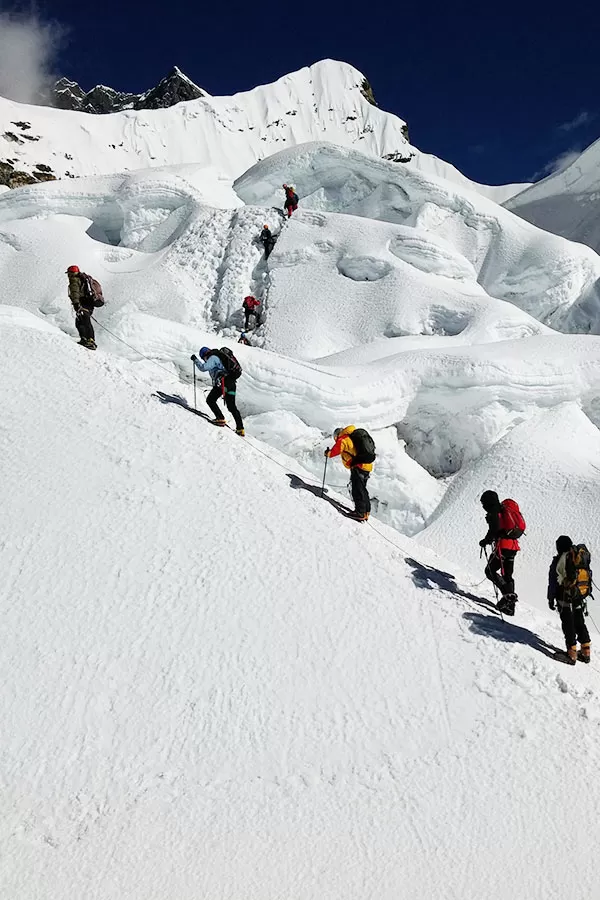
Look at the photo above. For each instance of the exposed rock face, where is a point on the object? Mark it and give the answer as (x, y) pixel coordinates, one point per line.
(174, 88)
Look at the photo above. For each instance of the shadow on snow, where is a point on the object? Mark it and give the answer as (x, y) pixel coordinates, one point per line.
(297, 484)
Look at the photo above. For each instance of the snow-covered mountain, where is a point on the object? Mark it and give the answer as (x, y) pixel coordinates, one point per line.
(328, 101)
(214, 683)
(567, 202)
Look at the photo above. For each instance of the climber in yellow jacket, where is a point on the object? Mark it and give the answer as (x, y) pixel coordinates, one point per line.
(357, 449)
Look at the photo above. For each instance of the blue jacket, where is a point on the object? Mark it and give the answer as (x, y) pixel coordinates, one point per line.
(213, 366)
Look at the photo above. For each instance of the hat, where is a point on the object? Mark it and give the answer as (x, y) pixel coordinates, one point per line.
(203, 351)
(563, 543)
(72, 270)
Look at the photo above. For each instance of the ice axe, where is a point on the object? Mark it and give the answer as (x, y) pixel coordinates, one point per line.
(325, 472)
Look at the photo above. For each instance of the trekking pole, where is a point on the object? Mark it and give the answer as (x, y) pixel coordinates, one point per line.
(324, 474)
(195, 405)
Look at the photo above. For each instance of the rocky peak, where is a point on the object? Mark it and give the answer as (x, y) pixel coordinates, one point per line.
(174, 88)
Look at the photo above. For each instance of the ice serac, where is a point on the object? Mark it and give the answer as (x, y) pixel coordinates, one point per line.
(566, 202)
(329, 101)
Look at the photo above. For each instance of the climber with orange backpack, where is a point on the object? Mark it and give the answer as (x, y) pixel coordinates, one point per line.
(505, 527)
(569, 586)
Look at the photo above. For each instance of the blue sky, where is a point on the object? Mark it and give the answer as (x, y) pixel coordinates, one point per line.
(502, 92)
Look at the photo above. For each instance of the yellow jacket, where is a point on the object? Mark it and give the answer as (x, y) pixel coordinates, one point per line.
(345, 448)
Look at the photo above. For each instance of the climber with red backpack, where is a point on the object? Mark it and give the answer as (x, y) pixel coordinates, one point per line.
(224, 370)
(85, 294)
(291, 199)
(569, 586)
(505, 527)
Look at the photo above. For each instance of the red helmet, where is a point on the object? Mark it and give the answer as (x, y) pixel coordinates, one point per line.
(73, 270)
(265, 226)
(284, 185)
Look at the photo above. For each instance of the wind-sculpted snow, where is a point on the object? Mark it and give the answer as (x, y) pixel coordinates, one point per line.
(449, 230)
(393, 326)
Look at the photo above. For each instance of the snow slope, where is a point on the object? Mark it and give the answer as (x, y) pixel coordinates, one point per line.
(322, 102)
(317, 712)
(566, 202)
(417, 322)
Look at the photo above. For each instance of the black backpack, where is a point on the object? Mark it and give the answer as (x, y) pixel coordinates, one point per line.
(364, 446)
(230, 363)
(580, 586)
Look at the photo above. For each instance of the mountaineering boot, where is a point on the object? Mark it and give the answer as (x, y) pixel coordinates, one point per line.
(358, 517)
(220, 422)
(506, 604)
(241, 432)
(89, 344)
(585, 653)
(572, 654)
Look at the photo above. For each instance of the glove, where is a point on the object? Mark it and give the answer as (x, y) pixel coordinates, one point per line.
(193, 357)
(483, 542)
(551, 603)
(327, 452)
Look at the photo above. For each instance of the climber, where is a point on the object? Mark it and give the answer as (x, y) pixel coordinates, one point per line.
(85, 294)
(244, 340)
(357, 449)
(569, 584)
(224, 370)
(267, 239)
(291, 199)
(505, 526)
(250, 306)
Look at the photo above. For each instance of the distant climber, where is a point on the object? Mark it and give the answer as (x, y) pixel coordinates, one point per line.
(291, 199)
(85, 294)
(357, 449)
(224, 370)
(267, 239)
(505, 526)
(244, 340)
(250, 306)
(569, 586)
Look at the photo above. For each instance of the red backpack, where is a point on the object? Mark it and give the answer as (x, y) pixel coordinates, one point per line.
(512, 522)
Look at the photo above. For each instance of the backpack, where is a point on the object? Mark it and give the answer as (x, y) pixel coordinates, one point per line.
(511, 520)
(581, 585)
(93, 289)
(230, 363)
(364, 446)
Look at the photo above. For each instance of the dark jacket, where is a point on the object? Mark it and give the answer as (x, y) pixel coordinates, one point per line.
(266, 236)
(79, 294)
(556, 591)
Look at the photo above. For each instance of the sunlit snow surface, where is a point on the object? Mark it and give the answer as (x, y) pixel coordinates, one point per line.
(215, 685)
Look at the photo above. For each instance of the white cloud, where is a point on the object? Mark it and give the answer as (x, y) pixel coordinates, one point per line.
(558, 164)
(580, 119)
(28, 49)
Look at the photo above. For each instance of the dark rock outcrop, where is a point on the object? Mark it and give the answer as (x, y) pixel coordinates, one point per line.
(174, 88)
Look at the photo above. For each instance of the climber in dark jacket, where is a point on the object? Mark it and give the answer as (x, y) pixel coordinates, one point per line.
(267, 239)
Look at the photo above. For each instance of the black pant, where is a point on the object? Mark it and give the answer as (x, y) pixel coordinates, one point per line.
(500, 571)
(573, 624)
(248, 313)
(360, 494)
(83, 324)
(230, 387)
(268, 245)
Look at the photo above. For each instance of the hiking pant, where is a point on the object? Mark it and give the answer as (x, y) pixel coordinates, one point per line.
(572, 619)
(497, 566)
(360, 494)
(268, 248)
(252, 312)
(83, 324)
(291, 207)
(225, 388)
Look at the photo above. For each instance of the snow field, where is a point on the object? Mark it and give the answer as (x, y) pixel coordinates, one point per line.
(389, 326)
(215, 685)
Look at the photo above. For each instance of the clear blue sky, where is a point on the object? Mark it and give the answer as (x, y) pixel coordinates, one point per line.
(500, 90)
